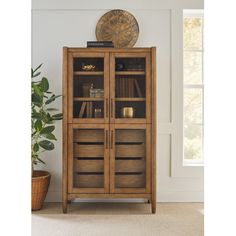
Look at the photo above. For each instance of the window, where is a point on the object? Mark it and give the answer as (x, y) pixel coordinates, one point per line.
(193, 87)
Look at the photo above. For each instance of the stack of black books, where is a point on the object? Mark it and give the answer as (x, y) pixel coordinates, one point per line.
(100, 44)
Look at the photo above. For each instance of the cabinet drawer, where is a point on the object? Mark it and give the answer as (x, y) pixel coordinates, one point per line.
(88, 165)
(88, 150)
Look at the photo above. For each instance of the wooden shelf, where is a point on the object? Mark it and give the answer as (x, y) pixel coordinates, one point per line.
(130, 72)
(87, 99)
(130, 99)
(88, 73)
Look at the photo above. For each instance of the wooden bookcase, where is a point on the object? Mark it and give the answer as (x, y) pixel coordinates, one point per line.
(105, 153)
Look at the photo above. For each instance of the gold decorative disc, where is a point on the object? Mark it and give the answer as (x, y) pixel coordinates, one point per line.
(118, 26)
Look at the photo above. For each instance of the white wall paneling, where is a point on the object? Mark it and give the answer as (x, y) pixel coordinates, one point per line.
(71, 23)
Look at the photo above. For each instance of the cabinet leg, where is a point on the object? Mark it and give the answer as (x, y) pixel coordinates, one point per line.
(153, 206)
(64, 206)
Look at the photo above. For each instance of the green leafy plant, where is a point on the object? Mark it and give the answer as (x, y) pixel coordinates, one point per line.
(43, 116)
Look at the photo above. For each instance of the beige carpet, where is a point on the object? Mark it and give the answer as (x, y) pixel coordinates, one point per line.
(119, 219)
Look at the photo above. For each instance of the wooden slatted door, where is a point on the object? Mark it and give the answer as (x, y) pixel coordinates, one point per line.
(130, 157)
(130, 86)
(88, 87)
(88, 158)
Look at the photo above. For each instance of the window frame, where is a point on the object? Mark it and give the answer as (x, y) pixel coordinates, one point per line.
(192, 14)
(177, 169)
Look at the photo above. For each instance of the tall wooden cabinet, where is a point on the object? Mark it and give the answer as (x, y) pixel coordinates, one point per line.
(109, 126)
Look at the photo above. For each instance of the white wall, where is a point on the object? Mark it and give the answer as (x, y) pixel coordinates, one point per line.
(71, 23)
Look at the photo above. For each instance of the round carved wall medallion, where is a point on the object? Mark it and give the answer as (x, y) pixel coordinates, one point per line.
(118, 26)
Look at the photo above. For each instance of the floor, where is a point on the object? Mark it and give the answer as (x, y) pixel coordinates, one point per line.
(115, 219)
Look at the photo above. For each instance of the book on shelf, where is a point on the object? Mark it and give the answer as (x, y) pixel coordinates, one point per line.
(82, 109)
(138, 88)
(89, 109)
(131, 88)
(126, 87)
(99, 44)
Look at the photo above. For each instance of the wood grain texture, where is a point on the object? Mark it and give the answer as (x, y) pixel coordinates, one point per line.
(89, 181)
(148, 158)
(154, 130)
(112, 160)
(88, 121)
(109, 157)
(88, 135)
(107, 160)
(79, 50)
(130, 99)
(70, 158)
(72, 196)
(88, 150)
(130, 165)
(130, 150)
(106, 88)
(88, 165)
(70, 92)
(130, 181)
(148, 88)
(65, 130)
(130, 135)
(130, 73)
(89, 73)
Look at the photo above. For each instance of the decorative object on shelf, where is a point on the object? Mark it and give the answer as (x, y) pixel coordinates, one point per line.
(96, 93)
(127, 112)
(98, 113)
(100, 44)
(118, 26)
(86, 88)
(42, 119)
(88, 67)
(135, 67)
(120, 66)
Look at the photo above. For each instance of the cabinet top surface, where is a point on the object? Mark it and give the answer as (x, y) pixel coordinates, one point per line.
(138, 49)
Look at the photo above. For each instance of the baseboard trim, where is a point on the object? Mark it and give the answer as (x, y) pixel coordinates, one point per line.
(180, 196)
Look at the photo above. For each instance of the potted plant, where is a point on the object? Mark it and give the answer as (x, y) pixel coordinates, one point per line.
(42, 118)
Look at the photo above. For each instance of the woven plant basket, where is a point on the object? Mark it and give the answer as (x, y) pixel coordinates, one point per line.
(40, 184)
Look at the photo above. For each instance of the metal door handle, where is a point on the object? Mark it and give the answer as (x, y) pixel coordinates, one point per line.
(112, 139)
(111, 107)
(106, 107)
(106, 139)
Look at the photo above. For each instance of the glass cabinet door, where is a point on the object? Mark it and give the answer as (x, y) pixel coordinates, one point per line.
(88, 87)
(130, 158)
(130, 87)
(88, 160)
